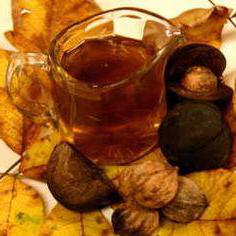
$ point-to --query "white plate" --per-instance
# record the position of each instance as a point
(167, 8)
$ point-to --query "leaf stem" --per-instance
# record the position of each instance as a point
(9, 169)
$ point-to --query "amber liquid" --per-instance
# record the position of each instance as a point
(112, 123)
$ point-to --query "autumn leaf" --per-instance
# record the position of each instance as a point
(4, 58)
(36, 22)
(39, 142)
(11, 122)
(197, 228)
(22, 209)
(219, 187)
(203, 25)
(69, 223)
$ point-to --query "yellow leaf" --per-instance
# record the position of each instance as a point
(4, 58)
(197, 228)
(36, 22)
(39, 145)
(22, 209)
(11, 123)
(203, 25)
(219, 187)
(63, 222)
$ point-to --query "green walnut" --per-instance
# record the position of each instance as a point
(195, 137)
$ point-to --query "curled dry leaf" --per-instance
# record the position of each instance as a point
(36, 22)
(11, 123)
(188, 204)
(22, 209)
(39, 142)
(65, 222)
(151, 184)
(129, 219)
(203, 25)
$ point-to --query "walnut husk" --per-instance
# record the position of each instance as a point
(130, 219)
(188, 204)
(151, 184)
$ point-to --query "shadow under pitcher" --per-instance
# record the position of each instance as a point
(101, 84)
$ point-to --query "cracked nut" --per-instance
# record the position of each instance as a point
(189, 203)
(200, 79)
(151, 184)
(129, 220)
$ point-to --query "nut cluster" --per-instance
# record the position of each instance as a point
(151, 186)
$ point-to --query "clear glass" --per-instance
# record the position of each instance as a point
(114, 122)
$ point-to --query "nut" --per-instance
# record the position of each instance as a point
(151, 184)
(200, 79)
(189, 203)
(129, 220)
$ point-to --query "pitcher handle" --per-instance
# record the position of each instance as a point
(19, 86)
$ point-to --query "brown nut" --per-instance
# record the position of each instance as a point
(194, 72)
(189, 203)
(151, 184)
(133, 220)
(76, 182)
(200, 79)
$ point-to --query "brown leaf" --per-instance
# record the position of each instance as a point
(36, 22)
(22, 209)
(65, 222)
(11, 122)
(203, 25)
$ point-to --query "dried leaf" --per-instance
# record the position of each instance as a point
(65, 222)
(36, 22)
(219, 186)
(11, 122)
(203, 25)
(39, 142)
(22, 209)
(197, 228)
